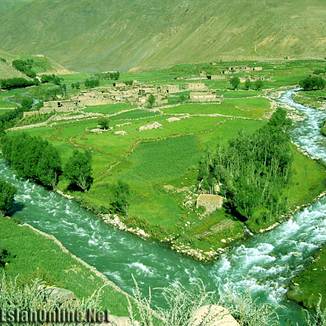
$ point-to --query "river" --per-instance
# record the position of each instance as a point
(263, 265)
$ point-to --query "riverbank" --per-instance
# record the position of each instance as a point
(307, 185)
(309, 287)
(37, 255)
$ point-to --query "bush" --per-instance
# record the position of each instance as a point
(311, 83)
(92, 82)
(247, 84)
(4, 257)
(151, 100)
(323, 129)
(121, 193)
(235, 82)
(8, 119)
(25, 66)
(26, 103)
(7, 194)
(258, 85)
(104, 123)
(17, 82)
(78, 171)
(33, 158)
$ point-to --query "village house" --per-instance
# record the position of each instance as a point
(203, 97)
(237, 69)
(197, 87)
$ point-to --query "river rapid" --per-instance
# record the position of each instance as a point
(263, 265)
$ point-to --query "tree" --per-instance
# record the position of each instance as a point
(121, 193)
(78, 170)
(63, 88)
(253, 170)
(32, 158)
(247, 84)
(16, 82)
(27, 103)
(75, 85)
(311, 83)
(113, 75)
(235, 82)
(92, 82)
(104, 123)
(25, 66)
(151, 100)
(259, 84)
(7, 194)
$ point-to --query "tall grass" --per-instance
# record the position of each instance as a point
(179, 303)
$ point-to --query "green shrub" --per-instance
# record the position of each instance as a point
(25, 66)
(121, 193)
(78, 171)
(313, 83)
(4, 257)
(17, 82)
(7, 194)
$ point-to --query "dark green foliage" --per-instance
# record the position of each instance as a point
(323, 129)
(63, 89)
(235, 82)
(16, 82)
(25, 66)
(151, 100)
(8, 119)
(252, 170)
(121, 193)
(75, 85)
(129, 82)
(258, 84)
(51, 79)
(32, 158)
(247, 84)
(113, 75)
(311, 83)
(26, 103)
(7, 194)
(104, 123)
(319, 71)
(92, 82)
(4, 257)
(78, 171)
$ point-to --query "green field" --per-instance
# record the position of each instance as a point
(108, 108)
(34, 256)
(255, 108)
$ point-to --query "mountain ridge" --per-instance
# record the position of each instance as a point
(106, 34)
